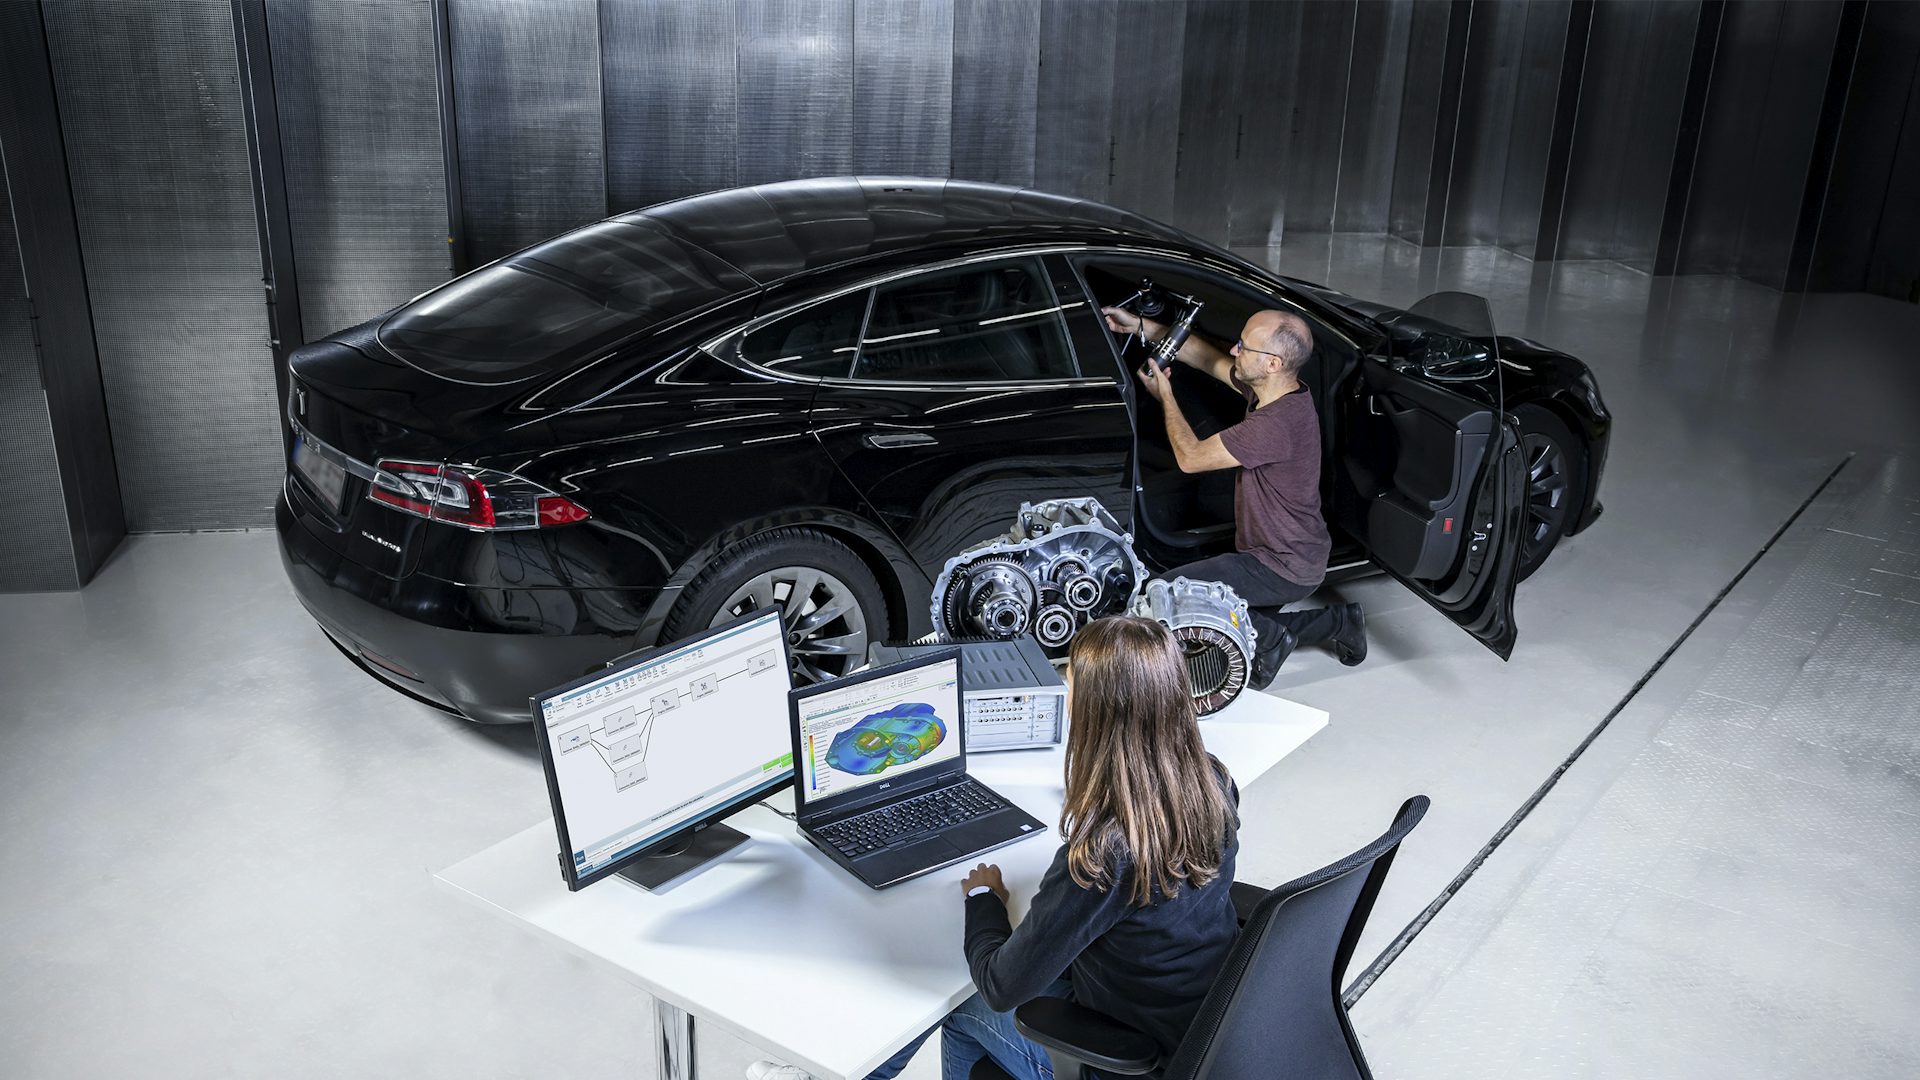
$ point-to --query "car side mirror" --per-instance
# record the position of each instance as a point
(1445, 358)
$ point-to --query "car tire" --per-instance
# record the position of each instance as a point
(1556, 463)
(828, 629)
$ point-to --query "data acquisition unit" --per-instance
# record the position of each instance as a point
(1012, 697)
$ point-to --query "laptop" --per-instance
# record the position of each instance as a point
(880, 773)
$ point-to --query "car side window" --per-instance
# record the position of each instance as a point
(993, 323)
(815, 342)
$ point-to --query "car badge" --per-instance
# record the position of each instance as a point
(388, 544)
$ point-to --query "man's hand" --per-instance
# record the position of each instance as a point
(1153, 379)
(988, 875)
(1122, 321)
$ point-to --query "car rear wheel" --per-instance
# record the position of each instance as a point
(829, 601)
(1556, 481)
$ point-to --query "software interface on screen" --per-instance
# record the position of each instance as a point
(659, 744)
(879, 730)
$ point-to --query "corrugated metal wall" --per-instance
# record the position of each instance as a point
(151, 120)
(360, 132)
(36, 550)
(526, 76)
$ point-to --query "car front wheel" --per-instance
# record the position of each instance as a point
(1556, 481)
(829, 601)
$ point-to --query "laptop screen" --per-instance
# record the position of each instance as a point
(878, 730)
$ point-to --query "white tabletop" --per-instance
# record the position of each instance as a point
(786, 950)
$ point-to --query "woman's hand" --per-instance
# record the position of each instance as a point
(985, 874)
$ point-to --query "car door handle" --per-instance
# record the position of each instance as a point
(896, 440)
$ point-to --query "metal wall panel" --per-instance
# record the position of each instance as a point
(1729, 137)
(1629, 117)
(1796, 90)
(1146, 106)
(360, 132)
(151, 116)
(1420, 99)
(1870, 138)
(1375, 88)
(1324, 45)
(1211, 51)
(903, 87)
(1499, 165)
(667, 70)
(1542, 53)
(1769, 79)
(526, 77)
(1073, 119)
(36, 550)
(1266, 66)
(996, 77)
(796, 89)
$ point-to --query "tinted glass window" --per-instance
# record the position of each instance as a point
(818, 341)
(973, 324)
(558, 303)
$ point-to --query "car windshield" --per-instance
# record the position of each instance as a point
(557, 303)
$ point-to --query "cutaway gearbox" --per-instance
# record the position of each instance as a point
(1064, 563)
(1067, 562)
(1216, 637)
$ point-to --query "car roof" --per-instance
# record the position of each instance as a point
(772, 232)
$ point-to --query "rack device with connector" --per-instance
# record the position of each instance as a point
(645, 757)
(1012, 699)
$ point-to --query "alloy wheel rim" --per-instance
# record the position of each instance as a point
(1546, 491)
(825, 626)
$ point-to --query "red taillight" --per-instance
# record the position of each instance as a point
(481, 499)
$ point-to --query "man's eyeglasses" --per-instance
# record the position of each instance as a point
(1241, 346)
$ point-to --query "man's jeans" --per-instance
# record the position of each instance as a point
(974, 1031)
(1266, 593)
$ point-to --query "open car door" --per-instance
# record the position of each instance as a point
(1430, 478)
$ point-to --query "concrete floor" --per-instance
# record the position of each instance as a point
(215, 837)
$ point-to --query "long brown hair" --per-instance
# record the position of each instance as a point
(1139, 781)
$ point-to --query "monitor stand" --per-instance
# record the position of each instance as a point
(656, 871)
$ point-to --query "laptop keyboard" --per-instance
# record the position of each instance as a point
(876, 829)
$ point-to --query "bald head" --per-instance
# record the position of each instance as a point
(1283, 336)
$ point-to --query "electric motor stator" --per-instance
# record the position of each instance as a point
(1216, 637)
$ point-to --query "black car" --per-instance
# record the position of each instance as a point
(814, 393)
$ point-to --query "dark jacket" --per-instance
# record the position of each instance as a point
(1147, 966)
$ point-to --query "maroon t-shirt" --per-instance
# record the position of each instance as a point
(1276, 497)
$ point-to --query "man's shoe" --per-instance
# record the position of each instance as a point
(1350, 644)
(1268, 656)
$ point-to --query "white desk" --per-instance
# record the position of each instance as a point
(786, 950)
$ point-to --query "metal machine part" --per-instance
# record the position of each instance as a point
(1216, 636)
(1064, 563)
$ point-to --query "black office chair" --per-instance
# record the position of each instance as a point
(1274, 1011)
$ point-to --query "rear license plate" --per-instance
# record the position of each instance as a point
(327, 478)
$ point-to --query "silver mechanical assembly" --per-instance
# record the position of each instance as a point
(1210, 622)
(1064, 563)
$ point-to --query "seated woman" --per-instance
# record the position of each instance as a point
(1133, 918)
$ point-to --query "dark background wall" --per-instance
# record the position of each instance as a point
(335, 157)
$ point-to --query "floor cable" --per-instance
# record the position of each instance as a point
(1405, 938)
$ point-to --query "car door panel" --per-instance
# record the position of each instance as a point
(1429, 481)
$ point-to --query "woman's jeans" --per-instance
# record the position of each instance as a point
(974, 1031)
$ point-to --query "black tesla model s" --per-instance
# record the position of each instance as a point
(814, 393)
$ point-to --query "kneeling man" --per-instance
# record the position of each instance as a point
(1280, 538)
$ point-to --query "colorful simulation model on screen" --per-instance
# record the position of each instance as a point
(658, 745)
(879, 730)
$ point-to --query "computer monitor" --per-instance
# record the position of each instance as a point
(647, 755)
(890, 729)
